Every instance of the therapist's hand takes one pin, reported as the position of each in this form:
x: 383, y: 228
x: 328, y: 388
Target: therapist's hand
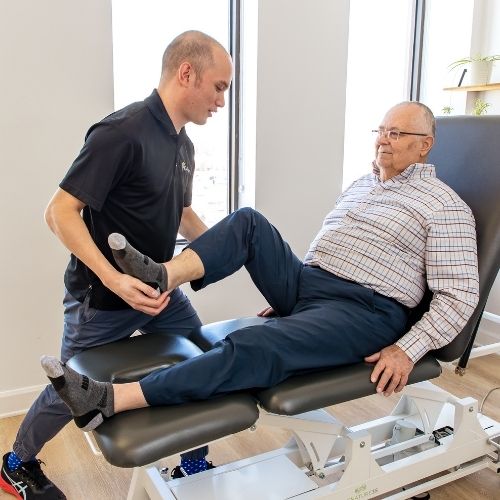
x: 265, y: 313
x: 391, y: 371
x: 137, y: 294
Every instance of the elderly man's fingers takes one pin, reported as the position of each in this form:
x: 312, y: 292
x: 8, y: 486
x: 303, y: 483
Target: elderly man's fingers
x: 394, y: 382
x: 377, y: 370
x: 384, y: 379
x: 402, y: 383
x: 373, y: 358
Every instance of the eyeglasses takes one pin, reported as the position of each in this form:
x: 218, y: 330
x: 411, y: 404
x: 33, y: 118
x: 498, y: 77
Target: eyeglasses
x: 394, y: 134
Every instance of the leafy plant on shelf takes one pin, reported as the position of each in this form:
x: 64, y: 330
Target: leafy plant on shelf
x: 480, y: 107
x: 477, y: 58
x: 447, y: 110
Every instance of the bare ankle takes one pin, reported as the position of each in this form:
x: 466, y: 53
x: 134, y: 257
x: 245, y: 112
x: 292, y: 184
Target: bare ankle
x: 185, y: 267
x: 128, y: 397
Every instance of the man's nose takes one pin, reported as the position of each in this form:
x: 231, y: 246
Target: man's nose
x: 382, y: 138
x: 220, y: 100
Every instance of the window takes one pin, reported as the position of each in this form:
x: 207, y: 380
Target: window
x: 445, y: 42
x: 378, y: 74
x: 141, y: 32
x: 245, y: 175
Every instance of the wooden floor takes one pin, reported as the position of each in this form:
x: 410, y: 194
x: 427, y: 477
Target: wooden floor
x: 83, y: 476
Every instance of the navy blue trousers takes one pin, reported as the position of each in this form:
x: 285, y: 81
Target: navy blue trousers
x: 323, y: 321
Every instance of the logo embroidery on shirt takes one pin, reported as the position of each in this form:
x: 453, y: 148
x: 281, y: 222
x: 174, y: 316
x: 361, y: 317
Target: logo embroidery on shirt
x: 185, y: 168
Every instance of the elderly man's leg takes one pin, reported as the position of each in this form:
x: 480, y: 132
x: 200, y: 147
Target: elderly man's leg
x: 334, y: 323
x: 243, y: 238
x: 247, y: 238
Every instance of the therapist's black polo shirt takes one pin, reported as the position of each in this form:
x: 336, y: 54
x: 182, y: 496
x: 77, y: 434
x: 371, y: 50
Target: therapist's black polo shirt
x: 135, y: 174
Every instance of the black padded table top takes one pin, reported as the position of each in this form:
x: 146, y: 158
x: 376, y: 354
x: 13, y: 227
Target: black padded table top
x: 329, y: 387
x: 313, y: 390
x: 139, y: 437
x: 130, y: 359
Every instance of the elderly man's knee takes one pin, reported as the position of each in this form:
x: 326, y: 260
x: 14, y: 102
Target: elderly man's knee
x: 245, y: 212
x: 250, y: 215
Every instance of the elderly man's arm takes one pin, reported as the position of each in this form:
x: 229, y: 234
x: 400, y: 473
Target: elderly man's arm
x: 452, y: 275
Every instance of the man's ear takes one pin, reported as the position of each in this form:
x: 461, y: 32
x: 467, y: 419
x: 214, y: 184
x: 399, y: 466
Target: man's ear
x: 185, y: 74
x: 427, y: 144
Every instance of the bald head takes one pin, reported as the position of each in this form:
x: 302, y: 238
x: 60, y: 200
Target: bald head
x: 421, y: 115
x: 416, y: 126
x: 193, y: 47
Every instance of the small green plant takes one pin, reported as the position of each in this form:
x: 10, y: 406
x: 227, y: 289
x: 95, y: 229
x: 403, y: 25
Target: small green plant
x: 480, y: 107
x: 468, y: 60
x: 447, y: 110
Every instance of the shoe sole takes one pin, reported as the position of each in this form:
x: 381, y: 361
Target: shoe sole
x: 8, y: 488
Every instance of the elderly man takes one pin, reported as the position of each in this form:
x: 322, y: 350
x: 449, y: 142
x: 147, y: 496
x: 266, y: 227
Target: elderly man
x: 391, y: 234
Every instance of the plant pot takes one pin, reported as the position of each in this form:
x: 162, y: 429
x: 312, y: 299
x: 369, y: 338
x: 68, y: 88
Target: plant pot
x: 480, y: 72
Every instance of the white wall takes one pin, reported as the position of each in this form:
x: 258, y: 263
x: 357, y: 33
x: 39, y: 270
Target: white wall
x: 56, y: 66
x: 58, y: 59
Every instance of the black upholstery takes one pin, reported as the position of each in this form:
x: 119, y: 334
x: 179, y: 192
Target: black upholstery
x: 118, y: 362
x: 135, y: 438
x: 139, y: 437
x: 337, y: 385
x: 467, y: 156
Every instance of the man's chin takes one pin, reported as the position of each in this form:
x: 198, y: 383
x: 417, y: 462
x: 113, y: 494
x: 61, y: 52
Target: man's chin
x: 382, y: 162
x: 200, y: 121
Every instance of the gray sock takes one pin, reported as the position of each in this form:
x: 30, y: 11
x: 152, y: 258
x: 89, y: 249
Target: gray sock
x: 87, y: 399
x: 133, y: 262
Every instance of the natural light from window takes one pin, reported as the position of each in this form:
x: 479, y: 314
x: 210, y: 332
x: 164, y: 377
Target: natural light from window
x: 454, y: 41
x: 141, y: 32
x: 377, y: 75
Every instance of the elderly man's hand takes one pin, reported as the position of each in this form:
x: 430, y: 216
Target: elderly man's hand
x: 392, y: 368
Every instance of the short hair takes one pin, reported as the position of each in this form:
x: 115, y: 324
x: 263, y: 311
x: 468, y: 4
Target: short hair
x: 428, y: 114
x: 192, y: 46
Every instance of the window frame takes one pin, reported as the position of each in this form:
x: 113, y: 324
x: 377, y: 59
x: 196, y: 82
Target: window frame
x: 234, y: 111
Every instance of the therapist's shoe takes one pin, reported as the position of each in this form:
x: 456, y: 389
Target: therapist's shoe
x: 28, y: 482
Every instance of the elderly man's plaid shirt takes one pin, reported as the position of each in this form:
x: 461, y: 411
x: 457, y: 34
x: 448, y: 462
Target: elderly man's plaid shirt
x: 396, y: 236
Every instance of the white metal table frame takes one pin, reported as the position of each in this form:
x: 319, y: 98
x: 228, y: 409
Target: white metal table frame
x: 332, y: 461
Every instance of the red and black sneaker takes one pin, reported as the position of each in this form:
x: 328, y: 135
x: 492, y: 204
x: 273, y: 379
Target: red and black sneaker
x: 28, y: 482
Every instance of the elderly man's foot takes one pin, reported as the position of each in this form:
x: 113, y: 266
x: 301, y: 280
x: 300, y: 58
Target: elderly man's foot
x: 133, y: 262
x: 89, y: 401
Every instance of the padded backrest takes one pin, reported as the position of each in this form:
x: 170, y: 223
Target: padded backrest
x: 467, y: 158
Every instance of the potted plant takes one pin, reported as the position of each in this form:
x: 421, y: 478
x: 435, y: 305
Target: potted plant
x: 480, y: 107
x: 479, y: 68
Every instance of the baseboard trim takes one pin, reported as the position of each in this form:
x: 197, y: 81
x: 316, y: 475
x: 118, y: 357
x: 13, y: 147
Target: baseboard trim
x: 17, y: 401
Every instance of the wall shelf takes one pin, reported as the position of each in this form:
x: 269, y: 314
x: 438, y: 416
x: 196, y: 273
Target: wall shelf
x: 475, y: 88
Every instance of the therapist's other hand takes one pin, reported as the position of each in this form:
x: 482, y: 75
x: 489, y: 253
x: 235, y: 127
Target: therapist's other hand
x: 265, y: 313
